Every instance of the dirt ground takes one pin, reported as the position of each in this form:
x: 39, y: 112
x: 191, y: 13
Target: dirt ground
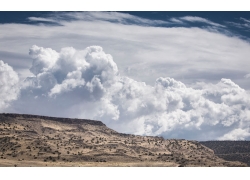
x: 27, y: 140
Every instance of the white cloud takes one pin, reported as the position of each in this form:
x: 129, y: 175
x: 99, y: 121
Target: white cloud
x: 43, y: 59
x: 123, y: 18
x: 245, y: 20
x: 141, y: 97
x: 199, y: 19
x: 176, y: 20
x: 9, y: 89
x: 247, y: 76
x: 189, y: 54
x: 66, y: 85
x: 87, y: 84
x: 236, y: 134
x: 40, y: 19
x: 244, y: 24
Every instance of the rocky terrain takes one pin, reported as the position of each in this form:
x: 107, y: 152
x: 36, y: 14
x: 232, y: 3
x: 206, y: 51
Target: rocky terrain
x: 230, y: 150
x: 29, y: 140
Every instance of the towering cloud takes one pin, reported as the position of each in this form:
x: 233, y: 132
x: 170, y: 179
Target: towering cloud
x: 87, y: 84
x: 8, y: 85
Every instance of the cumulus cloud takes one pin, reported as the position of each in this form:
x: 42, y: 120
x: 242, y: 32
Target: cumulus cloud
x: 189, y: 54
x: 71, y: 82
x: 87, y: 84
x: 9, y: 88
x: 236, y: 134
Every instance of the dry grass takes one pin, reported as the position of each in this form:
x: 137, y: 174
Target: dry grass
x: 40, y: 141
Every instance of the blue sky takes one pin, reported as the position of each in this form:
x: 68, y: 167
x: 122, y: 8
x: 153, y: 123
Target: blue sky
x: 235, y: 21
x: 171, y: 74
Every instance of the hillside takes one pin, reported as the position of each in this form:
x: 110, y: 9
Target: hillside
x: 230, y: 150
x: 29, y: 140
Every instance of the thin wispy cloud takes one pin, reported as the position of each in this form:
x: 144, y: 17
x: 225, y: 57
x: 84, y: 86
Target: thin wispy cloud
x: 115, y: 17
x: 122, y: 18
x: 41, y: 19
x: 176, y: 20
x: 201, y: 20
x: 245, y: 20
x: 244, y: 24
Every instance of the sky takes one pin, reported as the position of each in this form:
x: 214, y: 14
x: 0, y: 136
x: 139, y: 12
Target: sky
x: 178, y: 74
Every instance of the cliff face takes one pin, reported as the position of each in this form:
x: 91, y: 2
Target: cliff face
x: 62, y: 120
x: 230, y: 150
x: 30, y: 140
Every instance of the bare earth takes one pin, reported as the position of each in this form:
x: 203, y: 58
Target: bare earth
x: 29, y: 140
